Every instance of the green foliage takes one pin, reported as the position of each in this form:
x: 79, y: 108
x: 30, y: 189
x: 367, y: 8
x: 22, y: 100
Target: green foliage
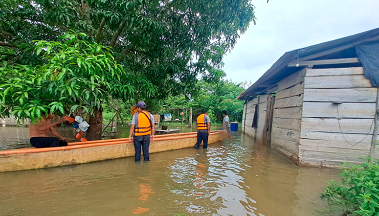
x: 214, y: 96
x: 108, y: 115
x: 76, y: 74
x: 358, y: 191
x: 163, y: 47
x: 23, y: 93
x: 211, y: 114
x: 219, y: 96
x: 165, y: 44
x: 117, y: 106
x: 85, y: 72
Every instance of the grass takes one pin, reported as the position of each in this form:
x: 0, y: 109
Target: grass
x: 107, y: 116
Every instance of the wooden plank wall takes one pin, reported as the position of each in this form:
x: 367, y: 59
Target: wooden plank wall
x: 256, y: 133
x: 262, y: 107
x: 325, y: 139
x: 286, y: 126
x: 243, y: 117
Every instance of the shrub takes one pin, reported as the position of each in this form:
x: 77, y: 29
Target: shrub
x: 358, y: 191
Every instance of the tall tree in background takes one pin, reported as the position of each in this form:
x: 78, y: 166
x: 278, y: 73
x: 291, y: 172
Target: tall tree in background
x: 164, y: 45
x: 214, y: 96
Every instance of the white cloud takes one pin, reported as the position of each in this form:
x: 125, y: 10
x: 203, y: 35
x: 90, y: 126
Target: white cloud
x: 291, y: 24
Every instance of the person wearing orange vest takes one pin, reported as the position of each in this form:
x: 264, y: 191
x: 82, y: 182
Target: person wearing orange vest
x: 203, y: 127
x: 143, y: 130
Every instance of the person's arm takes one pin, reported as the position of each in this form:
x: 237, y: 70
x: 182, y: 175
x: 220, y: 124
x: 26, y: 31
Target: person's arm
x: 152, y: 127
x: 208, y: 121
x: 55, y: 133
x: 226, y: 125
x: 131, y: 132
x: 51, y: 125
x: 152, y: 131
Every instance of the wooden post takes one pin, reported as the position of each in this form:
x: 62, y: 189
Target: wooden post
x: 244, y: 121
x: 376, y: 124
x: 269, y: 118
x: 190, y: 118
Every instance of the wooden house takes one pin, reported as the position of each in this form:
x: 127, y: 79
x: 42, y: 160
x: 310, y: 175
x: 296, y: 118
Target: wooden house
x: 317, y: 105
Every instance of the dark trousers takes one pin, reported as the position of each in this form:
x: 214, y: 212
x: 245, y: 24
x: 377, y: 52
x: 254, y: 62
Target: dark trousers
x: 43, y: 142
x: 144, y: 142
x: 202, y: 136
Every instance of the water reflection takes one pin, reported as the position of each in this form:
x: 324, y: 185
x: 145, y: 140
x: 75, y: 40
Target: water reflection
x: 18, y: 137
x: 14, y: 137
x: 237, y: 178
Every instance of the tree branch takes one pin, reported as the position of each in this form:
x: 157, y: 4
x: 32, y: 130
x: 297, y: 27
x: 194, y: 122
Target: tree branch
x: 7, y: 37
x: 9, y: 54
x: 101, y: 27
x: 126, y: 51
x: 4, y: 35
x: 7, y: 44
x: 85, y: 7
x: 4, y: 38
x: 118, y: 32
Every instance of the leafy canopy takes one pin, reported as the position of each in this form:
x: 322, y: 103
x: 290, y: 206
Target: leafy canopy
x: 76, y: 73
x: 165, y: 44
x: 215, y: 96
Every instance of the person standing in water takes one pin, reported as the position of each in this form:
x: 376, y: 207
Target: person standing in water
x: 226, y: 123
x: 143, y: 128
x: 203, y: 127
x: 39, y: 133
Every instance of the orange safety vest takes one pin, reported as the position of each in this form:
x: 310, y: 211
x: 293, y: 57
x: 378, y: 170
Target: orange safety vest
x: 143, y: 126
x: 201, y: 125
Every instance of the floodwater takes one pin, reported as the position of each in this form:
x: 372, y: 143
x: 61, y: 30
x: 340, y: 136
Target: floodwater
x: 229, y: 178
x: 18, y: 137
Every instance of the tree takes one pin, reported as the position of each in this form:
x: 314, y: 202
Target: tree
x: 76, y: 74
x: 165, y: 44
x: 215, y: 96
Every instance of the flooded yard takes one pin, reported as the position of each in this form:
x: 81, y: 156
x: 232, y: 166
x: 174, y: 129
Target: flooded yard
x: 229, y: 178
x: 18, y: 137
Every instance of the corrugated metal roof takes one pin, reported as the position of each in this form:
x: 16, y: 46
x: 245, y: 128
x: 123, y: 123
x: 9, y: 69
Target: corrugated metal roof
x: 279, y: 70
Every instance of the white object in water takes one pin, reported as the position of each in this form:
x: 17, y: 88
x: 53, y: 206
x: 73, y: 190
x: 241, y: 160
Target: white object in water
x: 83, y: 126
x: 78, y: 119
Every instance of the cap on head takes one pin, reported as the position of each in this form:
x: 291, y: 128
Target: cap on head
x: 141, y: 104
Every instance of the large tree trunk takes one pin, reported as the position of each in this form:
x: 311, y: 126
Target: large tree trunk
x: 96, y: 125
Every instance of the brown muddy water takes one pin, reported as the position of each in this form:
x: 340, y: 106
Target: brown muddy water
x: 229, y: 178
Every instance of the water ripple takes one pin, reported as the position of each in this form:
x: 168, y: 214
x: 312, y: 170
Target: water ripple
x: 229, y: 178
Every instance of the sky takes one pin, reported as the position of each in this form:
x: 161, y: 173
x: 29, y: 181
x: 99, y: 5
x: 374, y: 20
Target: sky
x: 285, y: 25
